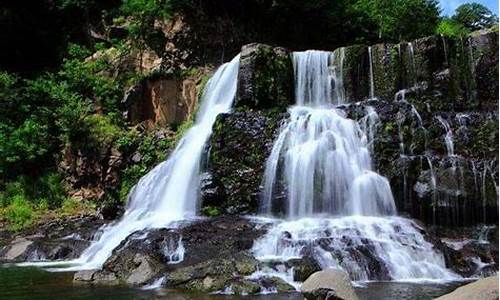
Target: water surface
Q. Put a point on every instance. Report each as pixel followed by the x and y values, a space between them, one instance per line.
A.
pixel 36 284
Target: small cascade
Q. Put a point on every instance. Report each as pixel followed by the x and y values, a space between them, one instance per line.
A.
pixel 338 78
pixel 368 248
pixel 412 67
pixel 372 84
pixel 400 97
pixel 336 209
pixel 174 251
pixel 400 118
pixel 445 50
pixel 169 192
pixel 434 188
pixel 314 77
pixel 448 137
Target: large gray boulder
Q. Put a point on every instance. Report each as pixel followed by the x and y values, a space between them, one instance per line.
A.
pixel 329 284
pixel 483 289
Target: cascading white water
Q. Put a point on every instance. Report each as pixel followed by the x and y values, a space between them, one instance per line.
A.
pixel 372 84
pixel 368 248
pixel 313 77
pixel 169 192
pixel 327 167
pixel 338 210
pixel 448 136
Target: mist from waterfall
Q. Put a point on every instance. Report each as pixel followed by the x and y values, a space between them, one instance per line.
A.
pixel 335 207
pixel 169 192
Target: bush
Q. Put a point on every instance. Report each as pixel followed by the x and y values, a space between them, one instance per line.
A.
pixel 101 130
pixel 19 213
pixel 47 190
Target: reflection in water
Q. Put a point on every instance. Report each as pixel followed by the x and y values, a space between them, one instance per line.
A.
pixel 36 284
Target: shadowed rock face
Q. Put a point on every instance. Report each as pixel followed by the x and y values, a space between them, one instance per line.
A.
pixel 239 147
pixel 265 78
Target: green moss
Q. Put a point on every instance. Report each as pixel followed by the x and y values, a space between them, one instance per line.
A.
pixel 211 211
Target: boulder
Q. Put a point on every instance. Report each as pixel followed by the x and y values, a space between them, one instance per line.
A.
pixel 214 274
pixel 329 284
pixel 16 249
pixel 141 257
pixel 483 289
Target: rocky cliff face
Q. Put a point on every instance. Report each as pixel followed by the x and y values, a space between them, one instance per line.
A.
pixel 159 101
pixel 436 138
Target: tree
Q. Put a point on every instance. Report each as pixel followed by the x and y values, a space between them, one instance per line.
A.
pixel 401 19
pixel 474 16
pixel 451 28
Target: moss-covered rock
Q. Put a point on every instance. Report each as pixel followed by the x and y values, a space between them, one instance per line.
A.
pixel 265 78
pixel 428 182
pixel 239 147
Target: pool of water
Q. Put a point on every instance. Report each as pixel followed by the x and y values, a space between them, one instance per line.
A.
pixel 36 284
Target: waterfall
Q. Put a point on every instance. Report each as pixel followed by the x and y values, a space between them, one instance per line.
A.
pixel 448 136
pixel 336 209
pixel 372 84
pixel 314 77
pixel 413 67
pixel 327 167
pixel 169 192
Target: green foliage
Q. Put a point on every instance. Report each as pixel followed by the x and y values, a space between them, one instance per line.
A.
pixel 451 28
pixel 211 211
pixel 401 19
pixel 142 15
pixel 46 190
pixel 101 130
pixel 151 149
pixel 43 114
pixel 19 213
pixel 474 16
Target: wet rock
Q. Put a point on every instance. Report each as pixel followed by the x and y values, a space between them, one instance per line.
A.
pixel 244 287
pixel 265 78
pixel 138 259
pixel 54 240
pixel 328 284
pixel 211 191
pixel 467 250
pixel 277 284
pixel 148 254
pixel 214 274
pixel 483 289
